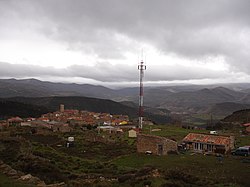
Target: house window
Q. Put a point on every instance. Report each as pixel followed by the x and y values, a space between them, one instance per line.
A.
pixel 201 146
pixel 196 146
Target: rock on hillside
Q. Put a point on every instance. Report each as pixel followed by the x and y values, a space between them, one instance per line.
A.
pixel 241 116
pixel 227 108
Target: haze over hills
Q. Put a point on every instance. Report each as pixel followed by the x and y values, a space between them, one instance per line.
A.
pixel 227 108
pixel 221 99
pixel 37 88
pixel 198 101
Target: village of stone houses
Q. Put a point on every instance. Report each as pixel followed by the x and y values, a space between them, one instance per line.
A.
pixel 69 147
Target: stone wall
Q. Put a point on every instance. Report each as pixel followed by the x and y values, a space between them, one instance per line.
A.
pixel 152 143
pixel 232 142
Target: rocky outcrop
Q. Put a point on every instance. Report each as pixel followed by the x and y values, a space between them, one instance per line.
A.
pixel 9 171
pixel 27 179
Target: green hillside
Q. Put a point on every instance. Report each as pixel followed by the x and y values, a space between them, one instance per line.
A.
pixel 13 108
pixel 240 116
pixel 80 103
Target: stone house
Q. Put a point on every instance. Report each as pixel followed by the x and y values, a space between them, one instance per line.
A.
pixel 110 129
pixel 15 121
pixel 38 124
pixel 155 144
pixel 3 125
pixel 61 127
pixel 208 143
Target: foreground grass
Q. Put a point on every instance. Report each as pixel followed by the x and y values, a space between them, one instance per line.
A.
pixel 232 170
pixel 6 182
pixel 114 156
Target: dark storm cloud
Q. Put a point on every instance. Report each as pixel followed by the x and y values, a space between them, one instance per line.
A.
pixel 190 28
pixel 194 29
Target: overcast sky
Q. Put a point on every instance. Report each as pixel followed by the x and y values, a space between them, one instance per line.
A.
pixel 101 41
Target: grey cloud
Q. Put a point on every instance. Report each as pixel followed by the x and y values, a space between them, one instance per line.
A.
pixel 25 70
pixel 106 72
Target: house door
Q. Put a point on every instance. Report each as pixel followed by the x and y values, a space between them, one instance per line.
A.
pixel 160 149
pixel 209 147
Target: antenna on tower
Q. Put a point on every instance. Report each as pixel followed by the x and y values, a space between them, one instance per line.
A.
pixel 142 54
pixel 141 68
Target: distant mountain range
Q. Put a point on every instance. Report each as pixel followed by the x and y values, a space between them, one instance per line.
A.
pixel 37 88
pixel 220 99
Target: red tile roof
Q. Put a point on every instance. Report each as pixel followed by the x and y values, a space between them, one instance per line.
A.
pixel 15 119
pixel 248 129
pixel 246 125
pixel 207 138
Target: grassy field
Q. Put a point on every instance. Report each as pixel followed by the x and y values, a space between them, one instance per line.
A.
pixel 243 140
pixel 201 119
pixel 232 171
pixel 103 159
pixel 171 132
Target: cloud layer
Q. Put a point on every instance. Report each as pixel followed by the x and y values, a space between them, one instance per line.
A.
pixel 195 33
pixel 104 72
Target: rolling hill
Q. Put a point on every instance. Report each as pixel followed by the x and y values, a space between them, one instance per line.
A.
pixel 240 116
pixel 85 103
pixel 227 108
pixel 37 88
pixel 178 99
pixel 76 102
pixel 13 108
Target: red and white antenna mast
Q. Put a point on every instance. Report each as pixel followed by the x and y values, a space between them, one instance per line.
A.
pixel 141 68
